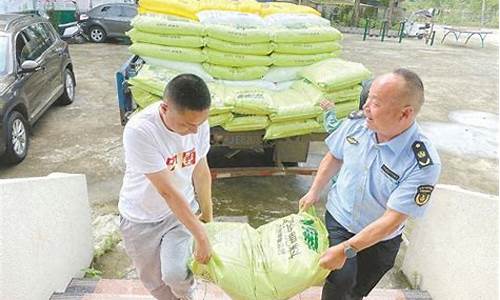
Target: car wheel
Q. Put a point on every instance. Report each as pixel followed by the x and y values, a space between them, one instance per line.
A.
pixel 69 88
pixel 17 139
pixel 97 34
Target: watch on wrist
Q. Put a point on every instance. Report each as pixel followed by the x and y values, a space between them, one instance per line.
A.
pixel 349 251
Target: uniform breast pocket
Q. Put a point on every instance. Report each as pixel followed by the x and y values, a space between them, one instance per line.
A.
pixel 389 178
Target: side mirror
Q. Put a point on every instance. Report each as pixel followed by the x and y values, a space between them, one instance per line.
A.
pixel 29 66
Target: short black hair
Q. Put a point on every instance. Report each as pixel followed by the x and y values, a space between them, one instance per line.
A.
pixel 414 87
pixel 365 90
pixel 188 91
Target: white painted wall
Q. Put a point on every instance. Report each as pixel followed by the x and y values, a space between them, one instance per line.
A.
pixel 45 234
pixel 454 248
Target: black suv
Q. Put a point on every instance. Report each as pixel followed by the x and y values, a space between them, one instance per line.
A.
pixel 35 72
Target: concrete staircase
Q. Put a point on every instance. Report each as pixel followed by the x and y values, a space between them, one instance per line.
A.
pixel 113 289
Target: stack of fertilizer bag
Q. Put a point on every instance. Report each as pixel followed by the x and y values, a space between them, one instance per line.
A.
pixel 275 261
pixel 258 60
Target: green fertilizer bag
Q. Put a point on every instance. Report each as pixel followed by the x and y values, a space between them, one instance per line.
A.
pixel 275 261
pixel 166 25
pixel 169 53
pixel 174 40
pixel 240 48
pixel 290 60
pixel 235 73
pixel 291 128
pixel 248 123
pixel 142 97
pixel 235 60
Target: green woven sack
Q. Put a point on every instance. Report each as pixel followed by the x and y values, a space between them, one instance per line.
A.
pixel 291 128
pixel 305 34
pixel 235 73
pixel 249 101
pixel 170 53
pixel 248 123
pixel 240 48
pixel 290 60
pixel 238 35
pixel 166 25
pixel 335 74
pixel 293 105
pixel 307 48
pixel 218 96
pixel 153 79
pixel 142 97
pixel 235 60
pixel 220 119
pixel 348 94
pixel 174 40
pixel 273 262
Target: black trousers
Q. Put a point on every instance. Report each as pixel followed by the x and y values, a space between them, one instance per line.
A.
pixel 360 274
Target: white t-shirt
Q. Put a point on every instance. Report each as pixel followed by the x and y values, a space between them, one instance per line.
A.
pixel 151 147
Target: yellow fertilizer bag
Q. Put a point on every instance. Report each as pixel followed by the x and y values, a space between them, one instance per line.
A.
pixel 240 48
pixel 247 123
pixel 306 34
pixel 166 25
pixel 294 60
pixel 174 40
pixel 273 262
pixel 235 73
pixel 270 8
pixel 183 8
pixel 247 6
pixel 235 60
pixel 307 48
pixel 292 128
pixel 335 74
pixel 169 53
pixel 238 34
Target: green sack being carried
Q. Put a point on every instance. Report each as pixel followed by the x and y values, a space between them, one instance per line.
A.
pixel 335 74
pixel 275 261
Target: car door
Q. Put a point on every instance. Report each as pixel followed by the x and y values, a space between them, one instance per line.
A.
pixel 127 14
pixel 112 19
pixel 52 58
pixel 31 85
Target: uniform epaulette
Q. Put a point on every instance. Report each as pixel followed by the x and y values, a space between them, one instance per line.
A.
pixel 421 154
pixel 357 114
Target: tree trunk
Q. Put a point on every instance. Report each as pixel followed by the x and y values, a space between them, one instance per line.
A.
pixel 390 11
pixel 355 13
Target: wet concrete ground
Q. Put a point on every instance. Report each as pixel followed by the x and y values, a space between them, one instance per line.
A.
pixel 85 137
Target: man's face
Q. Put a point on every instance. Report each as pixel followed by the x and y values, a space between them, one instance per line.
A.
pixel 182 121
pixel 384 109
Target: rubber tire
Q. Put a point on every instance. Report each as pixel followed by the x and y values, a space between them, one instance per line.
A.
pixel 66 99
pixel 10 157
pixel 96 27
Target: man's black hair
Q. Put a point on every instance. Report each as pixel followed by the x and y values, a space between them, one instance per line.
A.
pixel 188 91
pixel 365 84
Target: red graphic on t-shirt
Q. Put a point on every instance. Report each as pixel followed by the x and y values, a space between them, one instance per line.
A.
pixel 188 158
pixel 171 162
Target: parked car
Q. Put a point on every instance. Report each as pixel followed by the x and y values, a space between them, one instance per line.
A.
pixel 108 20
pixel 35 71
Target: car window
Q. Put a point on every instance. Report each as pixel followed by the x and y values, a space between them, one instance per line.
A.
pixel 37 41
pixel 112 11
pixel 49 29
pixel 3 54
pixel 129 12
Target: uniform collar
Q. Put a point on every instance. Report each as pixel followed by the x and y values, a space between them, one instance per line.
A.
pixel 398 143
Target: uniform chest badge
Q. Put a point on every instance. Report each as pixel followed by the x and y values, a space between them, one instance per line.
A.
pixel 423 194
pixel 351 140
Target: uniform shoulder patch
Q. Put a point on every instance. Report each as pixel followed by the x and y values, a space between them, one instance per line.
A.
pixel 351 140
pixel 357 114
pixel 421 154
pixel 423 194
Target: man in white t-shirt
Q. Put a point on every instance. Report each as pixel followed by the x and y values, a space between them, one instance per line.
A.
pixel 166 181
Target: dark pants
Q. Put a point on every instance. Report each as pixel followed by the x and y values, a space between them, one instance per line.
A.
pixel 360 274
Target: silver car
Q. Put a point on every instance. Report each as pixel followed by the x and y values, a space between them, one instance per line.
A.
pixel 107 21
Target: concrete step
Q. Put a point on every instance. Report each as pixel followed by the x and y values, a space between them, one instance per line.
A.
pixel 115 289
